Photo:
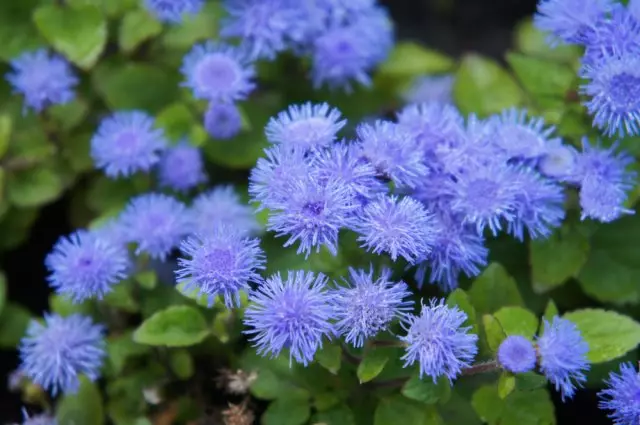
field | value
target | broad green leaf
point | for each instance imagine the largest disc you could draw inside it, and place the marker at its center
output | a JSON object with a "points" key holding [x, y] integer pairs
{"points": [[532, 41], [493, 332], [121, 297], [517, 321], [62, 305], [6, 126], [541, 77], [34, 187], [341, 415], [269, 385], [177, 326], [506, 384], [136, 27], [3, 291], [609, 334], [78, 33], [372, 364], [427, 391], [179, 121], [493, 289], [203, 26], [69, 115], [17, 35], [530, 381], [202, 299], [409, 59], [287, 411], [326, 401], [397, 409], [14, 321], [330, 357], [112, 8], [550, 311], [85, 407], [458, 410], [460, 299], [15, 225], [148, 279], [519, 408], [122, 347], [181, 363]]}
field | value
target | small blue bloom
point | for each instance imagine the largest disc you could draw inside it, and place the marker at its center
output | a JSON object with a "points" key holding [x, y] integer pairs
{"points": [[617, 34], [602, 200], [563, 356], [571, 21], [55, 353], [307, 126], [366, 306], [222, 120], [42, 78], [173, 11], [621, 396], [438, 341], [218, 72], [222, 206], [156, 223], [127, 142], [291, 313], [558, 162], [517, 354], [84, 265], [181, 167], [222, 263], [430, 88]]}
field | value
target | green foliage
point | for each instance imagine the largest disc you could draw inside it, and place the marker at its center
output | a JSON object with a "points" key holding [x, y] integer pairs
{"points": [[372, 365], [177, 326], [518, 408], [493, 289], [85, 407], [394, 408], [137, 26], [427, 391], [13, 324], [330, 357]]}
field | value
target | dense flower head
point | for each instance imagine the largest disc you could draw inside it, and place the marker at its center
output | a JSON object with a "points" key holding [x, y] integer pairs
{"points": [[563, 356], [222, 206], [571, 21], [156, 223], [365, 306], [430, 88], [618, 33], [438, 341], [221, 263], [42, 78], [306, 126], [620, 396], [558, 162], [602, 200], [222, 120], [218, 72], [127, 142], [517, 354], [292, 313], [181, 167], [84, 265], [55, 353], [173, 11]]}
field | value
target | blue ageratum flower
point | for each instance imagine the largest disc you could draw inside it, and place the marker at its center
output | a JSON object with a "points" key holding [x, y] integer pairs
{"points": [[42, 78], [430, 88], [558, 162], [84, 265], [218, 72], [181, 167], [156, 223], [571, 21], [291, 313], [563, 356], [401, 227], [173, 11], [222, 206], [621, 396], [618, 33], [306, 126], [127, 142], [517, 354], [221, 264], [438, 341], [56, 353], [222, 120], [364, 306]]}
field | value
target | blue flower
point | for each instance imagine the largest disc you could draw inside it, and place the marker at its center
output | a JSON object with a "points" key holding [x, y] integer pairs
{"points": [[181, 167], [156, 223], [42, 78], [617, 34], [222, 206], [293, 313], [306, 126], [43, 419], [55, 353], [558, 162], [517, 354], [366, 306], [218, 72], [222, 120], [401, 227], [222, 263], [438, 341], [563, 356], [173, 11], [430, 88], [84, 265], [127, 142], [602, 200], [571, 21], [621, 396]]}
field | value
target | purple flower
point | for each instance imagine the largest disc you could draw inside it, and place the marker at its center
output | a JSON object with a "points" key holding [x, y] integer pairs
{"points": [[293, 313], [438, 341], [517, 354], [222, 263], [602, 200], [430, 88], [218, 72], [173, 11], [617, 34], [367, 306], [222, 206], [306, 126], [558, 162], [571, 21], [55, 353], [84, 265], [222, 120], [563, 356], [42, 78], [181, 167], [127, 142], [621, 396]]}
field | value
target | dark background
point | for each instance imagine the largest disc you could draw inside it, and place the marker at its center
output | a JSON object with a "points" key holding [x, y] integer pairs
{"points": [[451, 26]]}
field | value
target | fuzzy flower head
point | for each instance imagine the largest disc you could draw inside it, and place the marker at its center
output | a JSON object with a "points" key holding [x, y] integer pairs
{"points": [[517, 354], [222, 120], [218, 72], [438, 341], [571, 21], [429, 88], [558, 162], [84, 265], [173, 11], [602, 200], [618, 33], [563, 356], [181, 167], [42, 78], [221, 263], [127, 142], [222, 206], [306, 126], [291, 313], [622, 396], [366, 306], [55, 353]]}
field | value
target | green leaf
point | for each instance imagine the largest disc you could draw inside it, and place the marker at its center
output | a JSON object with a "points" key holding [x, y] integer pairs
{"points": [[270, 386], [483, 87], [69, 115], [181, 363], [121, 297], [493, 332], [203, 26], [63, 306], [517, 321], [287, 411], [532, 41], [78, 33], [609, 334], [397, 409], [17, 34], [178, 121], [15, 226], [530, 381], [427, 391], [519, 408], [84, 408], [6, 126], [177, 326], [3, 291], [493, 289], [121, 348], [341, 415], [330, 357], [136, 27], [506, 384], [550, 311], [371, 365], [14, 321], [409, 59], [34, 187], [148, 279], [460, 299], [541, 77]]}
